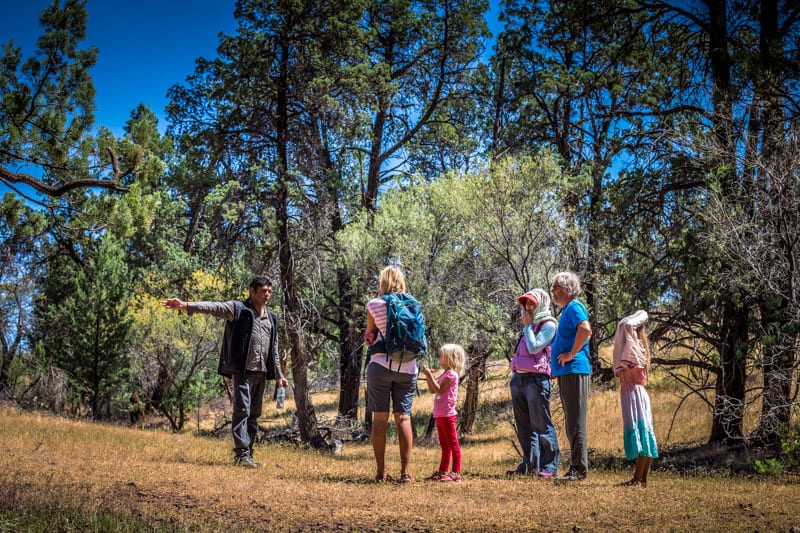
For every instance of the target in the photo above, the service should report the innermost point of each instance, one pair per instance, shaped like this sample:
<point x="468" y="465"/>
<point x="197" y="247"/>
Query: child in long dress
<point x="631" y="359"/>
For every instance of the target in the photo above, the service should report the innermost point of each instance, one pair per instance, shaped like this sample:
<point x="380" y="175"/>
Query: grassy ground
<point x="57" y="474"/>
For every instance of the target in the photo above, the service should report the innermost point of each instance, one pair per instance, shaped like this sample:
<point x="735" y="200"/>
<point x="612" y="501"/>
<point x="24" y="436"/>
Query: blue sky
<point x="145" y="47"/>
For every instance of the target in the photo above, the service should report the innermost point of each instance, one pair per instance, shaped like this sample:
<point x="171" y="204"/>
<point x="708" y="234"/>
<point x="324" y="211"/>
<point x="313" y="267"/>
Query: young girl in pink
<point x="452" y="361"/>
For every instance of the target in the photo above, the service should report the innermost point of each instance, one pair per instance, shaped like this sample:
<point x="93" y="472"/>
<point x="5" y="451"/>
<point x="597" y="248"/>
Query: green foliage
<point x="315" y="109"/>
<point x="21" y="229"/>
<point x="469" y="244"/>
<point x="173" y="358"/>
<point x="789" y="459"/>
<point x="790" y="445"/>
<point x="769" y="467"/>
<point x="47" y="115"/>
<point x="89" y="324"/>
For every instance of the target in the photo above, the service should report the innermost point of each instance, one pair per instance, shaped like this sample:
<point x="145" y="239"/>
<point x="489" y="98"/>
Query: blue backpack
<point x="405" y="330"/>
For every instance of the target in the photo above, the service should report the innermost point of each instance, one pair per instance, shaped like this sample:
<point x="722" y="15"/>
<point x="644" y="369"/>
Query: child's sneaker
<point x="452" y="476"/>
<point x="436" y="476"/>
<point x="545" y="473"/>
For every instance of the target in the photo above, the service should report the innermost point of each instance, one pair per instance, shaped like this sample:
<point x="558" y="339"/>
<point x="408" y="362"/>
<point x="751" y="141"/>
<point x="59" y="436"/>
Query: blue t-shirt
<point x="572" y="315"/>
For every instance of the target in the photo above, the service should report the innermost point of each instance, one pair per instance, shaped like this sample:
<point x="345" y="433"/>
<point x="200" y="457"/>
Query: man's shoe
<point x="245" y="461"/>
<point x="572" y="475"/>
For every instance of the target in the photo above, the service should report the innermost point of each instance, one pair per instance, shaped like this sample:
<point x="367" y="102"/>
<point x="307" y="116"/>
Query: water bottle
<point x="281" y="398"/>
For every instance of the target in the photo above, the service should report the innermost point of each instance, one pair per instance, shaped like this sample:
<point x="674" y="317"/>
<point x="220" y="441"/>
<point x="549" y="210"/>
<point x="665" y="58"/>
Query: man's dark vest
<point x="236" y="342"/>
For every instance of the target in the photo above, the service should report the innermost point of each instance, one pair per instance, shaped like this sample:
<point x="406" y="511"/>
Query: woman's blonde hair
<point x="391" y="280"/>
<point x="454" y="357"/>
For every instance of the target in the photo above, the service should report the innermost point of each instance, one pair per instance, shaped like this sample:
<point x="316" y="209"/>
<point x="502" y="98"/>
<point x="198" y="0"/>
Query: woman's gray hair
<point x="570" y="281"/>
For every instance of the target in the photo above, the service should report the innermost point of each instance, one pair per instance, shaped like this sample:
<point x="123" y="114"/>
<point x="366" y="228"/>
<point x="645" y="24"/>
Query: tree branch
<point x="60" y="190"/>
<point x="685" y="362"/>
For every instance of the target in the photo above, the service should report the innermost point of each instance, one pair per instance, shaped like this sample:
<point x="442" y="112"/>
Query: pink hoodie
<point x="628" y="349"/>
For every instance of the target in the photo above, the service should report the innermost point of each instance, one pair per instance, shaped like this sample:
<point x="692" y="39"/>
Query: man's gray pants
<point x="574" y="392"/>
<point x="248" y="399"/>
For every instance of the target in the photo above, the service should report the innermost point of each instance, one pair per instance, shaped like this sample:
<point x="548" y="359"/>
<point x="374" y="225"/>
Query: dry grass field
<point x="64" y="475"/>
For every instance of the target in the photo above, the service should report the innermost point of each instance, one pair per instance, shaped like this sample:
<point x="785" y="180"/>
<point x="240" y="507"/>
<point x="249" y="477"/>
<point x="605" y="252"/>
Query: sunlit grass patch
<point x="55" y="471"/>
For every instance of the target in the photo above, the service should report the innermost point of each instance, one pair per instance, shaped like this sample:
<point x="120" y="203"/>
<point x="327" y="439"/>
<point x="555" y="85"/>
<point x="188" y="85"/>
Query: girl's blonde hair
<point x="391" y="280"/>
<point x="454" y="357"/>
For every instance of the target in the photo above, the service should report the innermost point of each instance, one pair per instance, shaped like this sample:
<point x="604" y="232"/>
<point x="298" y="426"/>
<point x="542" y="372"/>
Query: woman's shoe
<point x="407" y="478"/>
<point x="383" y="477"/>
<point x="521" y="470"/>
<point x="572" y="475"/>
<point x="452" y="476"/>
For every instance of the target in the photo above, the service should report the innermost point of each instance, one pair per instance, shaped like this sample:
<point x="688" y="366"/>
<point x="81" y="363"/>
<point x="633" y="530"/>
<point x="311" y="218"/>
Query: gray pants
<point x="574" y="391"/>
<point x="248" y="399"/>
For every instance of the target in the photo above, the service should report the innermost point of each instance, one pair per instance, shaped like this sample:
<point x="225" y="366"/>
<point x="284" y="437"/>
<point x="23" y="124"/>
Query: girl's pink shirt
<point x="444" y="403"/>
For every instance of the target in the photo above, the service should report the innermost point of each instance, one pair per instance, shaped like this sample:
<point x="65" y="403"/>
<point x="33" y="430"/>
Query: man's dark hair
<point x="259" y="281"/>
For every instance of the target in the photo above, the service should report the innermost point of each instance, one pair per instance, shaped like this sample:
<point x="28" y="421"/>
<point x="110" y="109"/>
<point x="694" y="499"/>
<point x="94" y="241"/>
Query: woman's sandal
<point x="383" y="477"/>
<point x="452" y="476"/>
<point x="406" y="478"/>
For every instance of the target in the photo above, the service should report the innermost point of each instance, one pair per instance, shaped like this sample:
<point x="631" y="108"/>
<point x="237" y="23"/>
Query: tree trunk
<point x="731" y="380"/>
<point x="779" y="332"/>
<point x="732" y="348"/>
<point x="351" y="348"/>
<point x="370" y="196"/>
<point x="469" y="410"/>
<point x="778" y="364"/>
<point x="292" y="319"/>
<point x="5" y="365"/>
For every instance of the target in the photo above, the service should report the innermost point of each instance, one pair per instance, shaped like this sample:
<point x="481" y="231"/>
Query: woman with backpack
<point x="530" y="388"/>
<point x="389" y="380"/>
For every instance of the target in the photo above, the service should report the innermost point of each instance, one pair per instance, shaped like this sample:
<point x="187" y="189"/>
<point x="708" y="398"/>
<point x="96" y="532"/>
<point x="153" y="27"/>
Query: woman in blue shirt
<point x="569" y="363"/>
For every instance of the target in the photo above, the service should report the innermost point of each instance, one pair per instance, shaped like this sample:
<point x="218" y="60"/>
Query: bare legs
<point x="378" y="438"/>
<point x="642" y="468"/>
<point x="380" y="422"/>
<point x="406" y="437"/>
<point x="640" y="473"/>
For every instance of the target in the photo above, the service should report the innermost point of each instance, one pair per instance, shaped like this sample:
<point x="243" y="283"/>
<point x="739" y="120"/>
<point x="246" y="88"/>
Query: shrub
<point x="769" y="467"/>
<point x="790" y="445"/>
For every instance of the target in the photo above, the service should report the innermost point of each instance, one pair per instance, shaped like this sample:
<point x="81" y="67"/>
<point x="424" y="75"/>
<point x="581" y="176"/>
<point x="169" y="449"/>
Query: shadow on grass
<point x="736" y="459"/>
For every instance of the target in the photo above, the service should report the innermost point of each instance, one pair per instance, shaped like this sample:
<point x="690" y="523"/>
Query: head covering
<point x="541" y="299"/>
<point x="529" y="296"/>
<point x="629" y="350"/>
